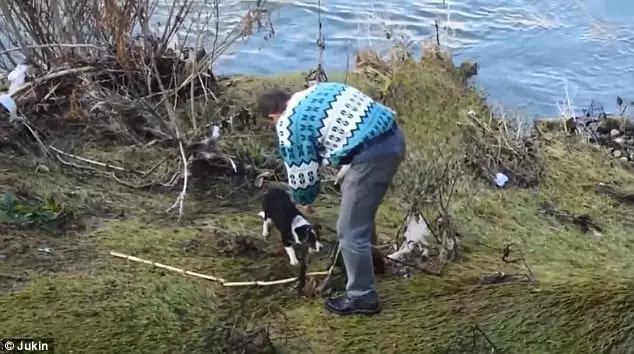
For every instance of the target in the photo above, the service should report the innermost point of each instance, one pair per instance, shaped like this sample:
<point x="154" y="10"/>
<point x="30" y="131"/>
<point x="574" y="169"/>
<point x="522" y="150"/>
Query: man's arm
<point x="302" y="167"/>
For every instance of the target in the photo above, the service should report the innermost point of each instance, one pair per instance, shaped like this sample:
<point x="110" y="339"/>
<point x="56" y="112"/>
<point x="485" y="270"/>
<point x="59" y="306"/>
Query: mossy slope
<point x="583" y="302"/>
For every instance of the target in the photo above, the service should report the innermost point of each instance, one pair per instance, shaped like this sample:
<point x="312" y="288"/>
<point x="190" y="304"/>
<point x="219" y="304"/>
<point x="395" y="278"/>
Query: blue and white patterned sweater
<point x="320" y="126"/>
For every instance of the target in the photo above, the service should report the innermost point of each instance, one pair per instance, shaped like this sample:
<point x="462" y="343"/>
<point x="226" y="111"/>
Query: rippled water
<point x="529" y="51"/>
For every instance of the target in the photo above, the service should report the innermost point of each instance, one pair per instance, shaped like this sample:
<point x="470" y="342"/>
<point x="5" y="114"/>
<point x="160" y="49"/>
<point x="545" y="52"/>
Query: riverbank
<point x="66" y="285"/>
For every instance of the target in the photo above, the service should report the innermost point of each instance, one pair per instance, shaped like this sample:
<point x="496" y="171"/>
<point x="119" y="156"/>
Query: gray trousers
<point x="362" y="191"/>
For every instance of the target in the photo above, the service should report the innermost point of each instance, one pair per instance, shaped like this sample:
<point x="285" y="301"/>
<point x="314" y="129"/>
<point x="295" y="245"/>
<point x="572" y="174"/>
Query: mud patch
<point x="11" y="282"/>
<point x="22" y="250"/>
<point x="226" y="244"/>
<point x="230" y="340"/>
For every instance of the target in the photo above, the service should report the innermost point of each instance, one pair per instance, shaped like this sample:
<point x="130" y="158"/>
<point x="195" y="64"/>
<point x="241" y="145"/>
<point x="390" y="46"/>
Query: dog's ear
<point x="317" y="227"/>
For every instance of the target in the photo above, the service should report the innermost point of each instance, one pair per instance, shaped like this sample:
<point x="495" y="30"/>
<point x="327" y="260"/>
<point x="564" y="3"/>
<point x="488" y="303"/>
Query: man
<point x="332" y="124"/>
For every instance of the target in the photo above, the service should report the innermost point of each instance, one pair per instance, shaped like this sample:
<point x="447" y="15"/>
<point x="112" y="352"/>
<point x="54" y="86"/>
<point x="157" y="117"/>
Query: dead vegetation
<point x="431" y="186"/>
<point x="135" y="84"/>
<point x="496" y="144"/>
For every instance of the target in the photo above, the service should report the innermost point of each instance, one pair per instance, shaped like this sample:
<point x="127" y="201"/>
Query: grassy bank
<point x="92" y="302"/>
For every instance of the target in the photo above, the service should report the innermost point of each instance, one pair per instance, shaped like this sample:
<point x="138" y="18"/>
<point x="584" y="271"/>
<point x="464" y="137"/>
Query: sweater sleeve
<point x="302" y="167"/>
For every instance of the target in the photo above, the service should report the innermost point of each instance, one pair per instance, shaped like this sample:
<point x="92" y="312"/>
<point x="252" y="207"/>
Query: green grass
<point x="583" y="302"/>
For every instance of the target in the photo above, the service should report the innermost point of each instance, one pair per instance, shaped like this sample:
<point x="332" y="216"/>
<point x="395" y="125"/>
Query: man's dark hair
<point x="273" y="101"/>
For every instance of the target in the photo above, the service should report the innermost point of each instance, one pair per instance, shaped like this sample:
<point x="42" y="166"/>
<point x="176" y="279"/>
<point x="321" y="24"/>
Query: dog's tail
<point x="261" y="214"/>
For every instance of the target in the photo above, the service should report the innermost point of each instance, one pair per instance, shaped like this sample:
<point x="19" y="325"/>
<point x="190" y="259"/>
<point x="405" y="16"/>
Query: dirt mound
<point x="227" y="244"/>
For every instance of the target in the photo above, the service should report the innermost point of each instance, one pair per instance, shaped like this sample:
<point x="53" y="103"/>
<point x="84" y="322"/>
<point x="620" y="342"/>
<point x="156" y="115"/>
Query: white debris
<point x="215" y="132"/>
<point x="416" y="229"/>
<point x="233" y="164"/>
<point x="7" y="102"/>
<point x="172" y="42"/>
<point x="259" y="180"/>
<point x="17" y="78"/>
<point x="500" y="179"/>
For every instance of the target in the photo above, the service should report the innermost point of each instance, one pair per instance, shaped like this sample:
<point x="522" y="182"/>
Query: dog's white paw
<point x="292" y="257"/>
<point x="265" y="234"/>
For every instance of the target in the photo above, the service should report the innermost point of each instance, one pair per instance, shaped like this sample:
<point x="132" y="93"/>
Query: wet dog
<point x="279" y="211"/>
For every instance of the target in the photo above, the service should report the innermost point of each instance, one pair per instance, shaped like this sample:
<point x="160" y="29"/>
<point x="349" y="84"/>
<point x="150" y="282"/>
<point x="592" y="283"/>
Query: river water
<point x="531" y="53"/>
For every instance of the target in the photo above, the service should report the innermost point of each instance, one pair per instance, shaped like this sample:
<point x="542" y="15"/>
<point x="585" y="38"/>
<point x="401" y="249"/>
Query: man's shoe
<point x="343" y="305"/>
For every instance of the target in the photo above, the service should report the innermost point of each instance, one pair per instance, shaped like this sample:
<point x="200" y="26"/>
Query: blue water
<point x="531" y="53"/>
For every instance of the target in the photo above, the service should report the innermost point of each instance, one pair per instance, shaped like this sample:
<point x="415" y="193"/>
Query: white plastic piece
<point x="501" y="179"/>
<point x="416" y="231"/>
<point x="215" y="132"/>
<point x="7" y="102"/>
<point x="17" y="78"/>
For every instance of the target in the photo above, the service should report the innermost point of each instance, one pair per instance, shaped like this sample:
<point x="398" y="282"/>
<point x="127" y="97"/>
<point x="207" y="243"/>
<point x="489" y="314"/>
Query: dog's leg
<point x="292" y="257"/>
<point x="265" y="228"/>
<point x="318" y="247"/>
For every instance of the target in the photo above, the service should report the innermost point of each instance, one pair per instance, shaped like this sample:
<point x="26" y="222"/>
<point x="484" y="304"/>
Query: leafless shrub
<point x="431" y="180"/>
<point x="105" y="64"/>
<point x="498" y="144"/>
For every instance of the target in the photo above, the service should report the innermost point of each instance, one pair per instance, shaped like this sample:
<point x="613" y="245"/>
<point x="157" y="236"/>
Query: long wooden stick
<point x="212" y="278"/>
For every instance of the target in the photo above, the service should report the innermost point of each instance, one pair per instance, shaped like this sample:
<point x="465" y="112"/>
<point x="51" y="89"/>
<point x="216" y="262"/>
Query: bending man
<point x="332" y="124"/>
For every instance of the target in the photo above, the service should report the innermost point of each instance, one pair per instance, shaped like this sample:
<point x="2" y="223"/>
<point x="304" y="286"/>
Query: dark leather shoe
<point x="343" y="305"/>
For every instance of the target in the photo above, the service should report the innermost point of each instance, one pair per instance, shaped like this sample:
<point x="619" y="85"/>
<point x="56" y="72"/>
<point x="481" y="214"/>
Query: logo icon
<point x="8" y="345"/>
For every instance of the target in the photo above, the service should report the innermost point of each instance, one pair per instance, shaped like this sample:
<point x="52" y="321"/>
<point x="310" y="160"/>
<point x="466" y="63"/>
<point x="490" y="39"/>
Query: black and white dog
<point x="280" y="212"/>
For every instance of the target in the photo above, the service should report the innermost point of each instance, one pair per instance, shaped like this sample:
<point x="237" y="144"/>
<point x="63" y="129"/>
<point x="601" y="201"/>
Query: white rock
<point x="42" y="168"/>
<point x="615" y="133"/>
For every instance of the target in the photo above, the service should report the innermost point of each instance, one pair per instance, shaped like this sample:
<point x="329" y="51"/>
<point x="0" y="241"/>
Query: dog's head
<point x="309" y="235"/>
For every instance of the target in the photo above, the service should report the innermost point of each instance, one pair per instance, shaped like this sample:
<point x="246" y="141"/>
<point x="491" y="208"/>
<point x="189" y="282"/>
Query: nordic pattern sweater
<point x="320" y="126"/>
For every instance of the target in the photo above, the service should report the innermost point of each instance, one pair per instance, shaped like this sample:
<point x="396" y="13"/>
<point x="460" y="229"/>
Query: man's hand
<point x="306" y="209"/>
<point x="342" y="171"/>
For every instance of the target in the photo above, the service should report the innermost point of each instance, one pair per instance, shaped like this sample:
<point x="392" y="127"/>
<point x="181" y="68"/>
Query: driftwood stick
<point x="92" y="162"/>
<point x="35" y="135"/>
<point x="269" y="283"/>
<point x="52" y="45"/>
<point x="180" y="200"/>
<point x="163" y="266"/>
<point x="212" y="278"/>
